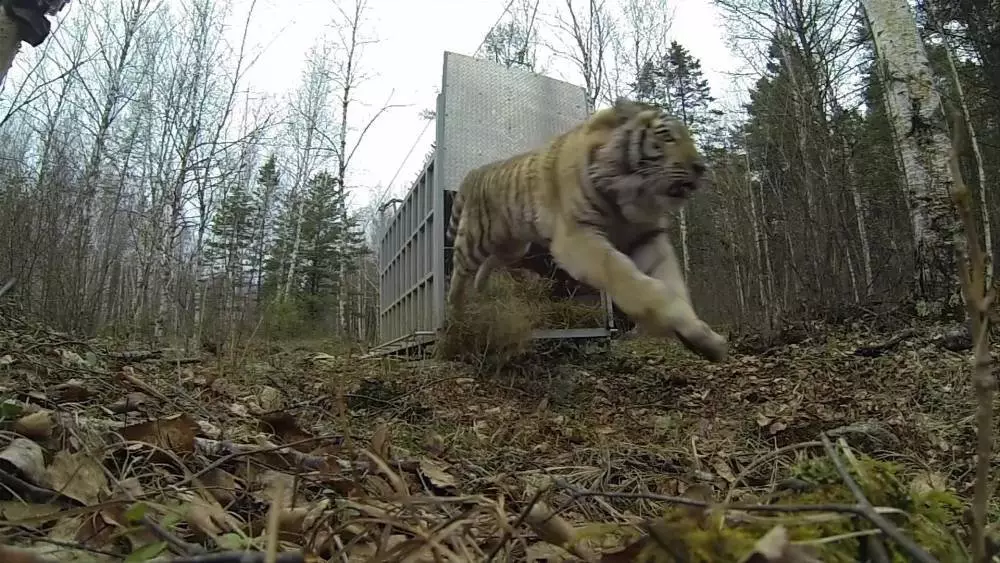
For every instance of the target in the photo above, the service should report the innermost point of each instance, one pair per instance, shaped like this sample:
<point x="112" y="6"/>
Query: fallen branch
<point x="135" y="355"/>
<point x="764" y="459"/>
<point x="876" y="350"/>
<point x="173" y="541"/>
<point x="684" y="501"/>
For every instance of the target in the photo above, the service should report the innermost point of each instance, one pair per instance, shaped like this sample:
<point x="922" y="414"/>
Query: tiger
<point x="597" y="198"/>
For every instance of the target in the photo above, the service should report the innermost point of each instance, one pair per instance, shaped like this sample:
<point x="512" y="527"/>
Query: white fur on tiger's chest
<point x="625" y="235"/>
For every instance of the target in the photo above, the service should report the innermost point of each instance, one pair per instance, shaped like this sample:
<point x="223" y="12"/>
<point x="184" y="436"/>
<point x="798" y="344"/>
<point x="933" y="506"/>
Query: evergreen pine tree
<point x="685" y="91"/>
<point x="232" y="235"/>
<point x="321" y="236"/>
<point x="264" y="197"/>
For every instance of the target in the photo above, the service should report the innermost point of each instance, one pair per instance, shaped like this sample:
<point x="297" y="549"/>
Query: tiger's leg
<point x="658" y="259"/>
<point x="463" y="267"/>
<point x="589" y="257"/>
<point x="500" y="259"/>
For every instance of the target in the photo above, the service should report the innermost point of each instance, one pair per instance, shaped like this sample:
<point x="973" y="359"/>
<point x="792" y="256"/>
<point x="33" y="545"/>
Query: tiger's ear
<point x="626" y="109"/>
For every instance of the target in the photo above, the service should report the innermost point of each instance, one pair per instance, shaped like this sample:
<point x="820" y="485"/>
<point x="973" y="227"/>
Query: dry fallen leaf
<point x="722" y="469"/>
<point x="284" y="425"/>
<point x="275" y="482"/>
<point x="78" y="476"/>
<point x="269" y="399"/>
<point x="209" y="518"/>
<point x="131" y="402"/>
<point x="928" y="481"/>
<point x="27" y="457"/>
<point x="175" y="433"/>
<point x="221" y="484"/>
<point x="14" y="510"/>
<point x="37" y="425"/>
<point x="762" y="420"/>
<point x="436" y="474"/>
<point x="70" y="391"/>
<point x="380" y="440"/>
<point x="775" y="547"/>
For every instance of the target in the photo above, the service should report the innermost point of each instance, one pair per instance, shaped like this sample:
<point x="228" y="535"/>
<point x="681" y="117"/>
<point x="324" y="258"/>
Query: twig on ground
<point x="869" y="512"/>
<point x="764" y="459"/>
<point x="135" y="355"/>
<point x="684" y="501"/>
<point x="128" y="374"/>
<point x="175" y="542"/>
<point x="226" y="458"/>
<point x="880" y="348"/>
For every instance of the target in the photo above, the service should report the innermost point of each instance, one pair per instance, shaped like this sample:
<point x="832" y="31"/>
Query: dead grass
<point x="496" y="325"/>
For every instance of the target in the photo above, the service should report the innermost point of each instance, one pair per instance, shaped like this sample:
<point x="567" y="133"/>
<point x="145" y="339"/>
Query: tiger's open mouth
<point x="681" y="188"/>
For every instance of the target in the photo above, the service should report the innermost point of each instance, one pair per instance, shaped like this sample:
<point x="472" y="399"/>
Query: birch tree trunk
<point x="115" y="96"/>
<point x="860" y="212"/>
<point x="683" y="224"/>
<point x="916" y="115"/>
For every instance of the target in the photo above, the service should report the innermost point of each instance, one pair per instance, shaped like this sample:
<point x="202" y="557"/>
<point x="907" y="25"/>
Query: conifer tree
<point x="264" y="200"/>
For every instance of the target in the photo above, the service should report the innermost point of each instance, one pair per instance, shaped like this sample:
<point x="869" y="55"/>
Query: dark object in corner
<point x="29" y="17"/>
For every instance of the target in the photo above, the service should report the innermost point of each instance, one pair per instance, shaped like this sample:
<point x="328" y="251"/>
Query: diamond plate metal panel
<point x="492" y="112"/>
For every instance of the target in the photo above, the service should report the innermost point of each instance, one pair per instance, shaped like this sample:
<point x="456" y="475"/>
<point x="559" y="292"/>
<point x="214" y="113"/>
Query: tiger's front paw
<point x="702" y="340"/>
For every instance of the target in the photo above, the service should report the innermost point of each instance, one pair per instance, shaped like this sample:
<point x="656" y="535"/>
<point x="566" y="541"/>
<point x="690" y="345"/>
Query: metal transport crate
<point x="485" y="112"/>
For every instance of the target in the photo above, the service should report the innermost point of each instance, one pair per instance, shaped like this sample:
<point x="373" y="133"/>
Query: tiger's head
<point x="650" y="164"/>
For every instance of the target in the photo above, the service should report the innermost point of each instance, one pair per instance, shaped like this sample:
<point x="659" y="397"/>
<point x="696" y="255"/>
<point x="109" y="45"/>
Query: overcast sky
<point x="406" y="64"/>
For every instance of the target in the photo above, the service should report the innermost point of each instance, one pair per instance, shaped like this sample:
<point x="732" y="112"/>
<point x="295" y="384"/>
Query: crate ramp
<point x="485" y="112"/>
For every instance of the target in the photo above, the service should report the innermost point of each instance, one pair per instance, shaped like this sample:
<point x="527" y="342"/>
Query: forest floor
<point x="156" y="454"/>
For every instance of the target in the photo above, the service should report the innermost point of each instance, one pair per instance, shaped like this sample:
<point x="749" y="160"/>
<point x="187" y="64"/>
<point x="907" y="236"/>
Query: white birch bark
<point x="860" y="212"/>
<point x="860" y="208"/>
<point x="682" y="223"/>
<point x="916" y="114"/>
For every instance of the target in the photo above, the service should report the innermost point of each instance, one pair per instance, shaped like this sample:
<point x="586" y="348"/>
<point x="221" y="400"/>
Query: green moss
<point x="683" y="534"/>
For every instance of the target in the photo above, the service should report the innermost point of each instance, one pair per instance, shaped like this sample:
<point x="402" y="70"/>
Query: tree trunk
<point x="860" y="211"/>
<point x="802" y="112"/>
<point x="683" y="225"/>
<point x="916" y="115"/>
<point x="10" y="44"/>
